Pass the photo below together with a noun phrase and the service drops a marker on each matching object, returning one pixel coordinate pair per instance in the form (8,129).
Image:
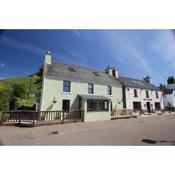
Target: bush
(19,90)
(170,109)
(4,101)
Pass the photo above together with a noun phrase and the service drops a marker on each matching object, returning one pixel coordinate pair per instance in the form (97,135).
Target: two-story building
(141,94)
(75,88)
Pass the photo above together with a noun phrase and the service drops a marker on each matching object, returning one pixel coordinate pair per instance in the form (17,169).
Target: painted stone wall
(53,89)
(95,116)
(142,98)
(169,98)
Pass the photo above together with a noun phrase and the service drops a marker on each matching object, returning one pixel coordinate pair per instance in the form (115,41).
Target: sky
(134,53)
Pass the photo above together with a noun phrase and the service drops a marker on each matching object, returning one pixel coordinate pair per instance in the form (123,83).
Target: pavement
(151,130)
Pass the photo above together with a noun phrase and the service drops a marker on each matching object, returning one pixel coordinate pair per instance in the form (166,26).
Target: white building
(169,93)
(141,94)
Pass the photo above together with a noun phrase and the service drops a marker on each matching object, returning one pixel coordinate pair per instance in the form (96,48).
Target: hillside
(28,82)
(31,90)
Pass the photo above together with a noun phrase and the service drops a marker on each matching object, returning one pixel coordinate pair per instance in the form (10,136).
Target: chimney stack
(48,57)
(147,79)
(111,71)
(171,80)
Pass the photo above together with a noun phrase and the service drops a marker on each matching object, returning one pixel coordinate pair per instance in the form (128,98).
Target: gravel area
(155,130)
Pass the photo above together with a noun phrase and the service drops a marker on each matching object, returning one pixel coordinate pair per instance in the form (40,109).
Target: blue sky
(134,53)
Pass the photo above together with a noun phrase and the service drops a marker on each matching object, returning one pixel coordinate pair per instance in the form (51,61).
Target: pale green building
(74,88)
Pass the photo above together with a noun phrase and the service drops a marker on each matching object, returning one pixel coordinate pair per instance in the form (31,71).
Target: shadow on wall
(157,141)
(75,104)
(50,107)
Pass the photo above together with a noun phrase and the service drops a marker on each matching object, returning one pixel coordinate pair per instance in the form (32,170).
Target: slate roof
(94,97)
(135,83)
(59,69)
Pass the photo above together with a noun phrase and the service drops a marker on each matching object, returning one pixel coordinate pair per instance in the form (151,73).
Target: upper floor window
(66,86)
(135,93)
(147,94)
(90,88)
(157,95)
(109,90)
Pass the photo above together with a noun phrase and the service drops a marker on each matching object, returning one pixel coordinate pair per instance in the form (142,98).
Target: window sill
(110,95)
(66,93)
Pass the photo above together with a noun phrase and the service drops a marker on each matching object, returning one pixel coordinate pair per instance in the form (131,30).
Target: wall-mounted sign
(147,99)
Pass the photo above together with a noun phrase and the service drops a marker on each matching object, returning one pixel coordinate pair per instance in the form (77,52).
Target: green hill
(31,90)
(28,82)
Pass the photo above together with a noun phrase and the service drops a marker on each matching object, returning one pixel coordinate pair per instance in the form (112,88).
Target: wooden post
(34,118)
(19,117)
(62,120)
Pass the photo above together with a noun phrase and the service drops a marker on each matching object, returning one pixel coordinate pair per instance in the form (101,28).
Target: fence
(131,112)
(41,117)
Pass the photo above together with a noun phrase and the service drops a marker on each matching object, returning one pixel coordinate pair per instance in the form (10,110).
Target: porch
(95,107)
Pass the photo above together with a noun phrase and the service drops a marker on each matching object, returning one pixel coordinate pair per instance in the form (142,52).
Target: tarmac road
(155,130)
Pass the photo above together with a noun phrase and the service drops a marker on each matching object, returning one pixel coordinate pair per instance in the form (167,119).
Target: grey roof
(135,83)
(170,86)
(59,69)
(94,97)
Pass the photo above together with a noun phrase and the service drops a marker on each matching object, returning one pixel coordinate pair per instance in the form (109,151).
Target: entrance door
(157,106)
(137,106)
(148,107)
(65,105)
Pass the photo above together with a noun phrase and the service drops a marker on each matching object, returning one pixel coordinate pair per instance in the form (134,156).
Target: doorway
(148,106)
(157,106)
(137,106)
(65,105)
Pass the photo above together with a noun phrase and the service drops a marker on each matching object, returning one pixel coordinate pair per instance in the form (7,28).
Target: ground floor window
(97,105)
(137,106)
(157,106)
(65,105)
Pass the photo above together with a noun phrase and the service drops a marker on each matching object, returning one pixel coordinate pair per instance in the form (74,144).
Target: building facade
(141,95)
(169,93)
(73,88)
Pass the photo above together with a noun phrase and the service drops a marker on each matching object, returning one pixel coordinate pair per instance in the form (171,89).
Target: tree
(2,87)
(19,90)
(4,100)
(38,76)
(162,86)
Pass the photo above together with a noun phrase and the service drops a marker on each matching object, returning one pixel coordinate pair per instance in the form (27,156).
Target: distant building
(75,88)
(169,93)
(141,94)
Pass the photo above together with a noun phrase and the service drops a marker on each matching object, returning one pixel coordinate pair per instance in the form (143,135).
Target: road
(159,130)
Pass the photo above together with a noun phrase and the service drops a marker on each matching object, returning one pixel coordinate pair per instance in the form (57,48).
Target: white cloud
(2,64)
(118,41)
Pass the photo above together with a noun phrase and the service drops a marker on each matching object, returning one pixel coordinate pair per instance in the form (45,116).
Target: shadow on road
(157,141)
